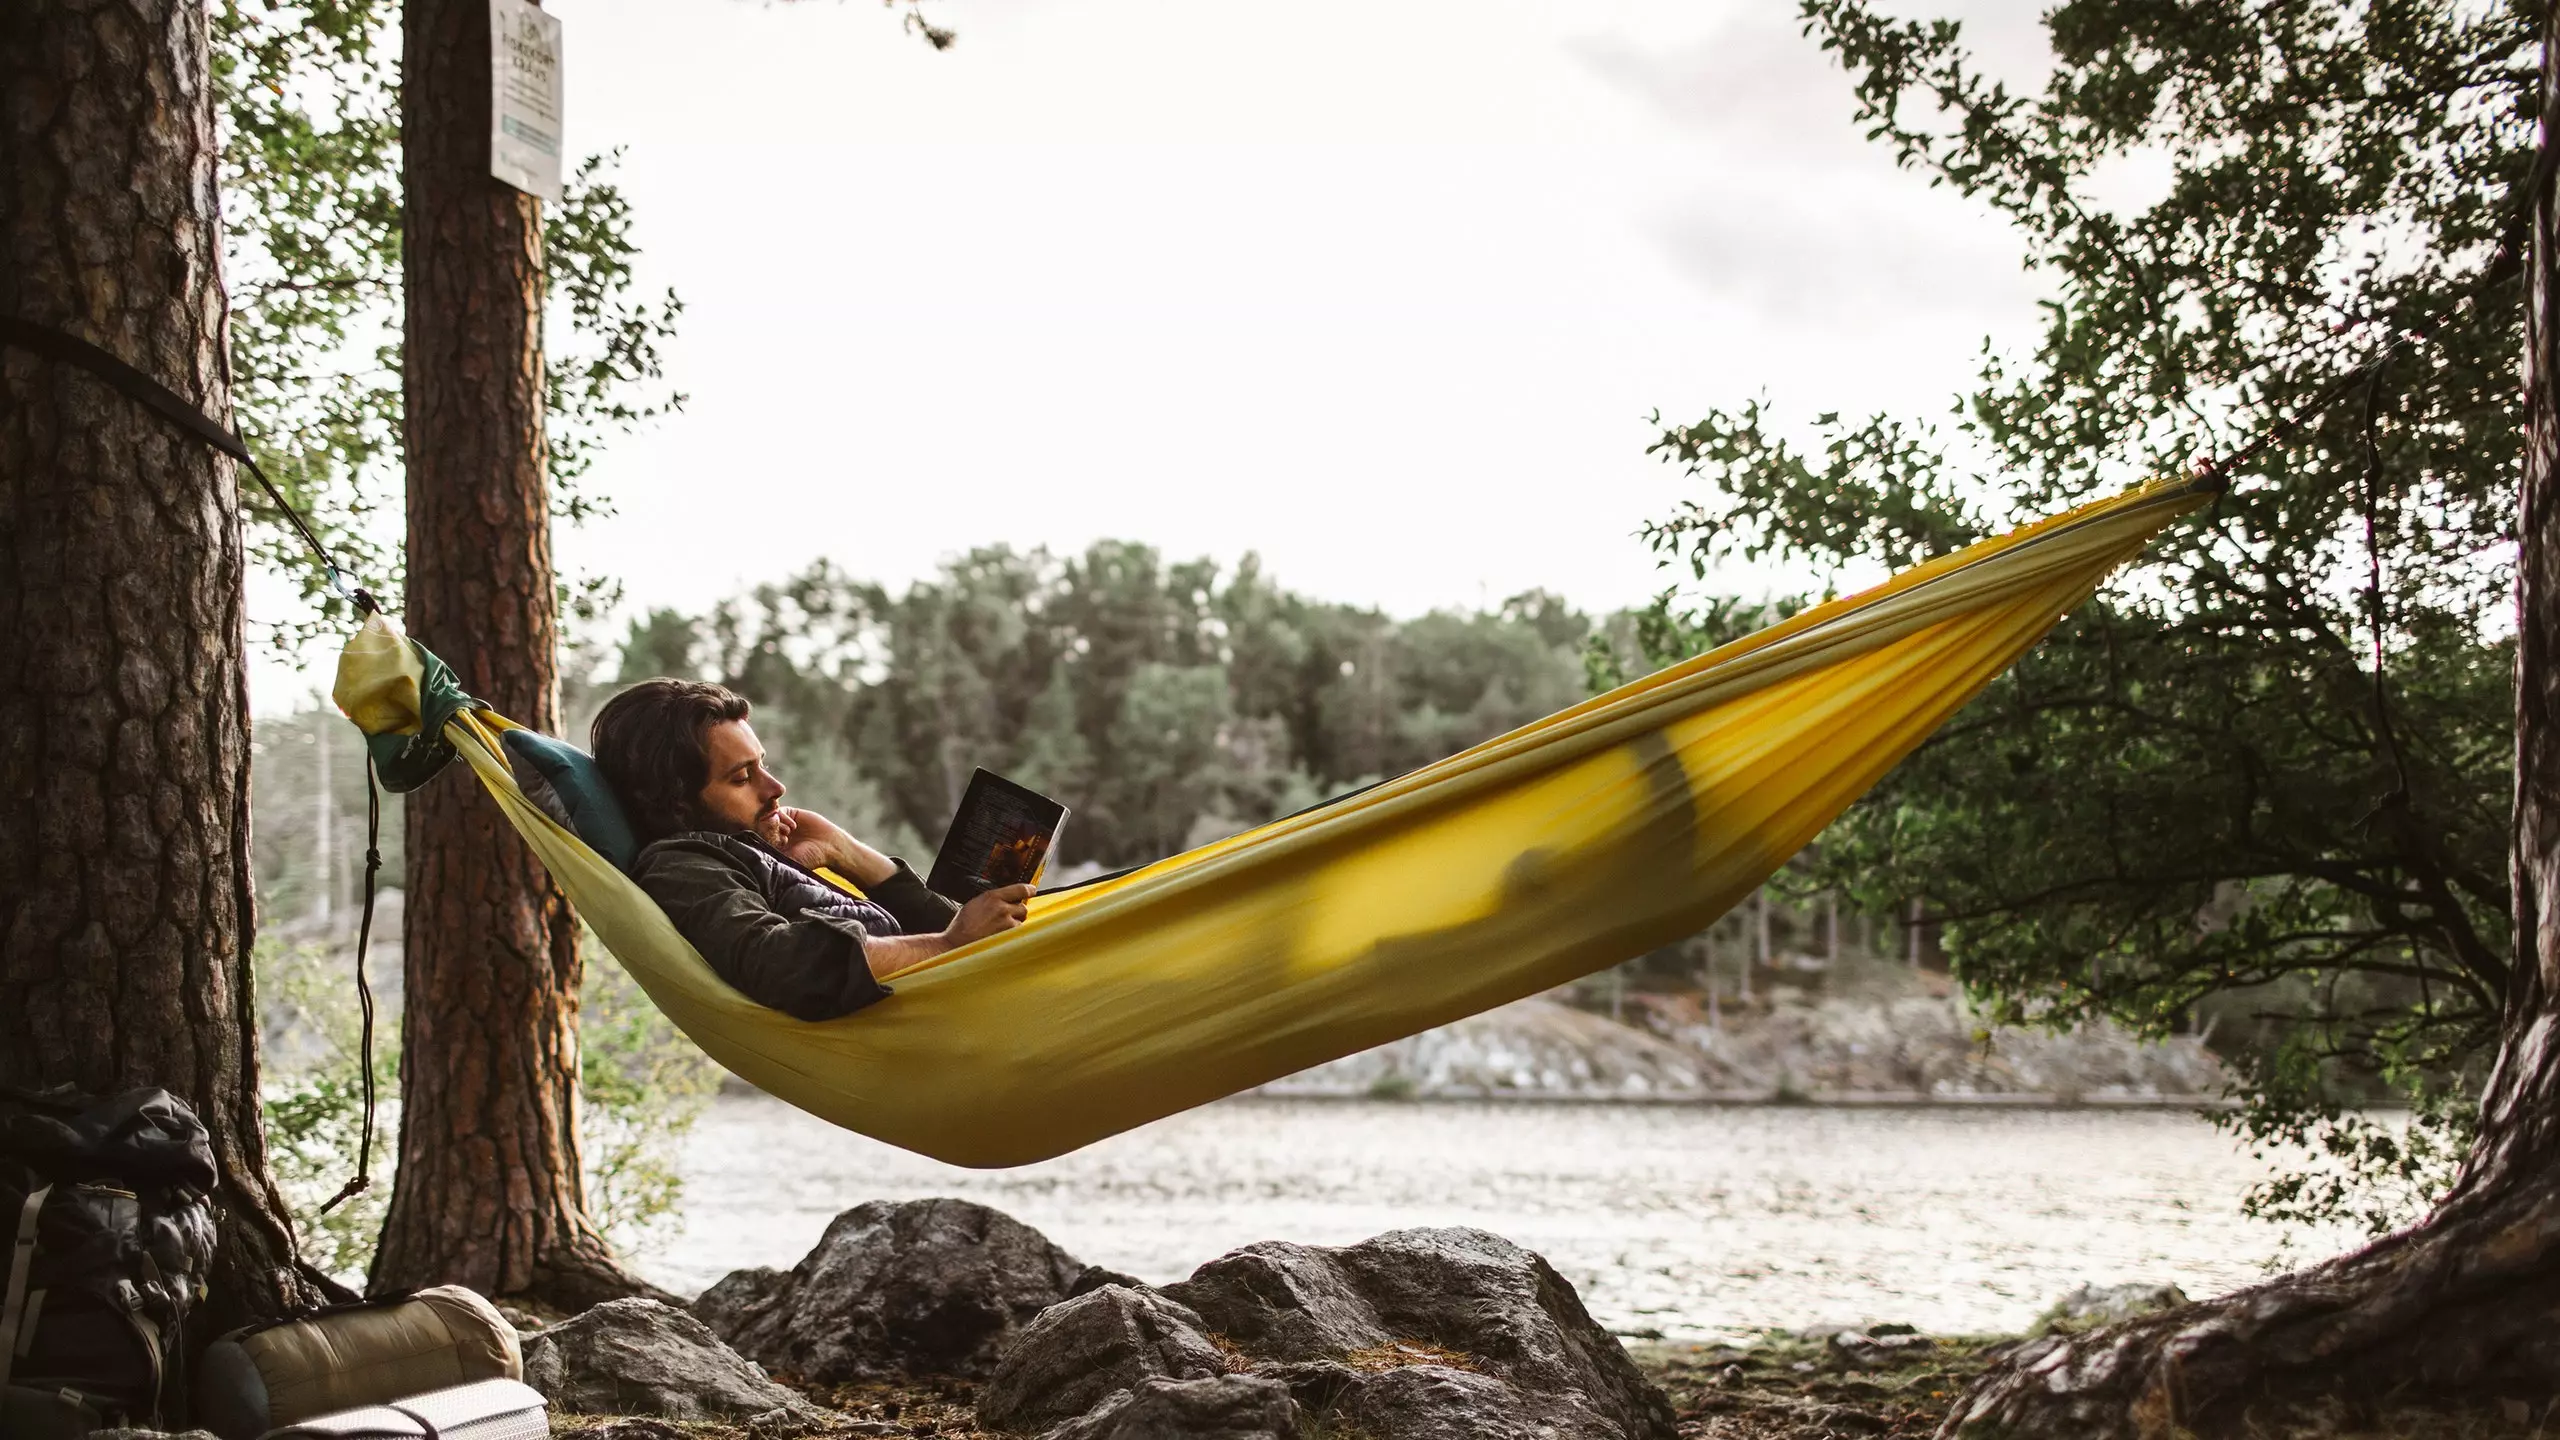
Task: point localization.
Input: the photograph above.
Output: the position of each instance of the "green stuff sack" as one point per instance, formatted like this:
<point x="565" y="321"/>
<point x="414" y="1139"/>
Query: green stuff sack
<point x="402" y="702"/>
<point x="268" y="1376"/>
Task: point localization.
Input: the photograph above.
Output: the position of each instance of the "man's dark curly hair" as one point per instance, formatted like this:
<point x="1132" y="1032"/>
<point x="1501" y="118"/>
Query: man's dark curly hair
<point x="648" y="741"/>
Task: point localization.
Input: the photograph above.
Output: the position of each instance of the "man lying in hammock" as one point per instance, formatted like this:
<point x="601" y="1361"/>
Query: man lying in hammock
<point x="731" y="865"/>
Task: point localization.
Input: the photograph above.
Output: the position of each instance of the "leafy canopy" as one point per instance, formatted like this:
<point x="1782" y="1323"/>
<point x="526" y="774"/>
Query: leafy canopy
<point x="311" y="202"/>
<point x="2195" y="801"/>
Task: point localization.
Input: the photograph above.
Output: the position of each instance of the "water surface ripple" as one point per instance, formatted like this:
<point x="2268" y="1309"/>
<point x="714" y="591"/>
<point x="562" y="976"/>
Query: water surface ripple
<point x="1690" y="1221"/>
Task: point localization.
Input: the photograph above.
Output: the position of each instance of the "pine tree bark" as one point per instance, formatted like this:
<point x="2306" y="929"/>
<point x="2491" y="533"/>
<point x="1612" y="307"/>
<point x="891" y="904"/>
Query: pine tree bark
<point x="489" y="1193"/>
<point x="125" y="907"/>
<point x="2467" y="1302"/>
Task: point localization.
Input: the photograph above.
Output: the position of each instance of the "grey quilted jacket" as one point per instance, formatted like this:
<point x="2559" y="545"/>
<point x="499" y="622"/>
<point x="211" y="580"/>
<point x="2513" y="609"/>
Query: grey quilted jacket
<point x="777" y="933"/>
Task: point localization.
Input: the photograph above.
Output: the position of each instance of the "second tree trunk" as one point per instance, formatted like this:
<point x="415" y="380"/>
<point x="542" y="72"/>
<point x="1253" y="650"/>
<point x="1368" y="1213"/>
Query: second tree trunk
<point x="489" y="1192"/>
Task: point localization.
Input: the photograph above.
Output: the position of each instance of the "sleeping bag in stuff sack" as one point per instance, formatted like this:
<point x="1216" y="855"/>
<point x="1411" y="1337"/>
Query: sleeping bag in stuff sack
<point x="109" y="1235"/>
<point x="343" y="1357"/>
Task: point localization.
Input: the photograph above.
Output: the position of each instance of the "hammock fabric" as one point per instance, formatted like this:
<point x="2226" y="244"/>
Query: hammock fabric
<point x="1587" y="838"/>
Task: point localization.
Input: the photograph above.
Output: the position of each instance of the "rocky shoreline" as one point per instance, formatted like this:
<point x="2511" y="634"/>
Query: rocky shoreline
<point x="1908" y="1049"/>
<point x="947" y="1319"/>
<point x="1427" y="1334"/>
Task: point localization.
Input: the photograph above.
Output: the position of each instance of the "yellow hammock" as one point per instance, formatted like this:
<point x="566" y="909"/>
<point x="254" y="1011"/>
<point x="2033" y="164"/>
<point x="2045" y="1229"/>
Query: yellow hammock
<point x="1564" y="847"/>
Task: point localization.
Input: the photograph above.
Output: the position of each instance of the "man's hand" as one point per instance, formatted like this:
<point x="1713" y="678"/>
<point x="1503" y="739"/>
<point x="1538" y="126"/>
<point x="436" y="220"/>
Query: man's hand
<point x="992" y="913"/>
<point x="808" y="837"/>
<point x="811" y="840"/>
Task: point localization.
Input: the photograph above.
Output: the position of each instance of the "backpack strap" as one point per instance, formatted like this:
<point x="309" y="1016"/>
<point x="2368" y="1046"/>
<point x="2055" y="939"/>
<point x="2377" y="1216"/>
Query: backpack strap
<point x="22" y="1260"/>
<point x="131" y="1297"/>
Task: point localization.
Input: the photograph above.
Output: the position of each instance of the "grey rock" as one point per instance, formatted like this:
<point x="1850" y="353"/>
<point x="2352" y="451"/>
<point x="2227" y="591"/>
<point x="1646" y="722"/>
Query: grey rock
<point x="1831" y="1334"/>
<point x="625" y="1427"/>
<point x="748" y="1303"/>
<point x="1094" y="1277"/>
<point x="638" y="1357"/>
<point x="895" y="1289"/>
<point x="1280" y="1301"/>
<point x="1427" y="1400"/>
<point x="791" y="1425"/>
<point x="1503" y="1316"/>
<point x="2091" y="1306"/>
<point x="1878" y="1347"/>
<point x="1223" y="1407"/>
<point x="1437" y="1402"/>
<point x="1078" y="1353"/>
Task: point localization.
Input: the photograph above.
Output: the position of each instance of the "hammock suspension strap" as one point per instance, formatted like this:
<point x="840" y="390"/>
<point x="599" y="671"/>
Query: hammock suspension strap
<point x="166" y="403"/>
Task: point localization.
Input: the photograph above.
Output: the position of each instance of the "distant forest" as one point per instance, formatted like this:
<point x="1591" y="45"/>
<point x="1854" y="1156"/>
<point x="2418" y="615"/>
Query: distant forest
<point x="1168" y="704"/>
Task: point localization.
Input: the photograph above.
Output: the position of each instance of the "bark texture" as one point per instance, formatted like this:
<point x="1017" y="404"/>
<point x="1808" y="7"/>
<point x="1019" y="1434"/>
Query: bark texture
<point x="489" y="1193"/>
<point x="2467" y="1302"/>
<point x="125" y="905"/>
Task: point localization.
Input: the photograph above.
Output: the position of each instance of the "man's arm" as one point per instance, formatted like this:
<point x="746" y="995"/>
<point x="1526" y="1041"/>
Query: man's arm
<point x="991" y="913"/>
<point x="919" y="911"/>
<point x="889" y="954"/>
<point x="812" y="966"/>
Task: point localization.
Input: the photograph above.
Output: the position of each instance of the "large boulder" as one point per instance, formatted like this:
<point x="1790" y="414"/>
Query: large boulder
<point x="1427" y="1401"/>
<point x="1496" y="1312"/>
<point x="895" y="1288"/>
<point x="638" y="1357"/>
<point x="1080" y="1353"/>
<point x="1223" y="1407"/>
<point x="1414" y="1335"/>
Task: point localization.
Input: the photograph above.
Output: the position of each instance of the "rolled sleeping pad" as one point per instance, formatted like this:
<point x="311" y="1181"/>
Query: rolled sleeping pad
<point x="345" y="1357"/>
<point x="481" y="1410"/>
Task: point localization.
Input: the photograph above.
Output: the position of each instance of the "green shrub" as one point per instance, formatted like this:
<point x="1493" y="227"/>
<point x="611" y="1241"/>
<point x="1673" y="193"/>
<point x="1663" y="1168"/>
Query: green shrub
<point x="314" y="1103"/>
<point x="642" y="1085"/>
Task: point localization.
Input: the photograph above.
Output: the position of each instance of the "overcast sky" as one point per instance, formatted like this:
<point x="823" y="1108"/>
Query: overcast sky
<point x="1381" y="290"/>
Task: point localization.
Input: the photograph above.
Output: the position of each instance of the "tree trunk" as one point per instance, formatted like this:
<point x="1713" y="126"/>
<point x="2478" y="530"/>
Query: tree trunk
<point x="488" y="1193"/>
<point x="2466" y="1302"/>
<point x="125" y="905"/>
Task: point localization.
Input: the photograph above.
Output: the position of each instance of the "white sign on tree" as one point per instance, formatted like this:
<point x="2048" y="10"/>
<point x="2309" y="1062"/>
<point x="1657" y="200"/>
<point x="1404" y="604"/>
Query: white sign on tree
<point x="524" y="97"/>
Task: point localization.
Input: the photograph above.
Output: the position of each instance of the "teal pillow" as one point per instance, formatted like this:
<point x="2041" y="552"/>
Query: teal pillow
<point x="563" y="781"/>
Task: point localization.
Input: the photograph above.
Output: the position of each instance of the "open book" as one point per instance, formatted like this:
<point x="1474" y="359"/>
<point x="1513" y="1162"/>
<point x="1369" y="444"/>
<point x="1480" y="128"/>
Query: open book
<point x="1002" y="834"/>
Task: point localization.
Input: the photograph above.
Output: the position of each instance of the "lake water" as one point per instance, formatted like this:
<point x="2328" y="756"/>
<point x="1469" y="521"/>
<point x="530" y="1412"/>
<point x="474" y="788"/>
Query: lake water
<point x="1690" y="1221"/>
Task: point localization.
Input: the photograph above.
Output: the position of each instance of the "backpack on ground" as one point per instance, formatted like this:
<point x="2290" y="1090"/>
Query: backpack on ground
<point x="104" y="1203"/>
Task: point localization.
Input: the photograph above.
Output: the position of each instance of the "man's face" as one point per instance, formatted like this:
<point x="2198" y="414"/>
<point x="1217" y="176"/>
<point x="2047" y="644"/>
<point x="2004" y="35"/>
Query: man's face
<point x="741" y="794"/>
